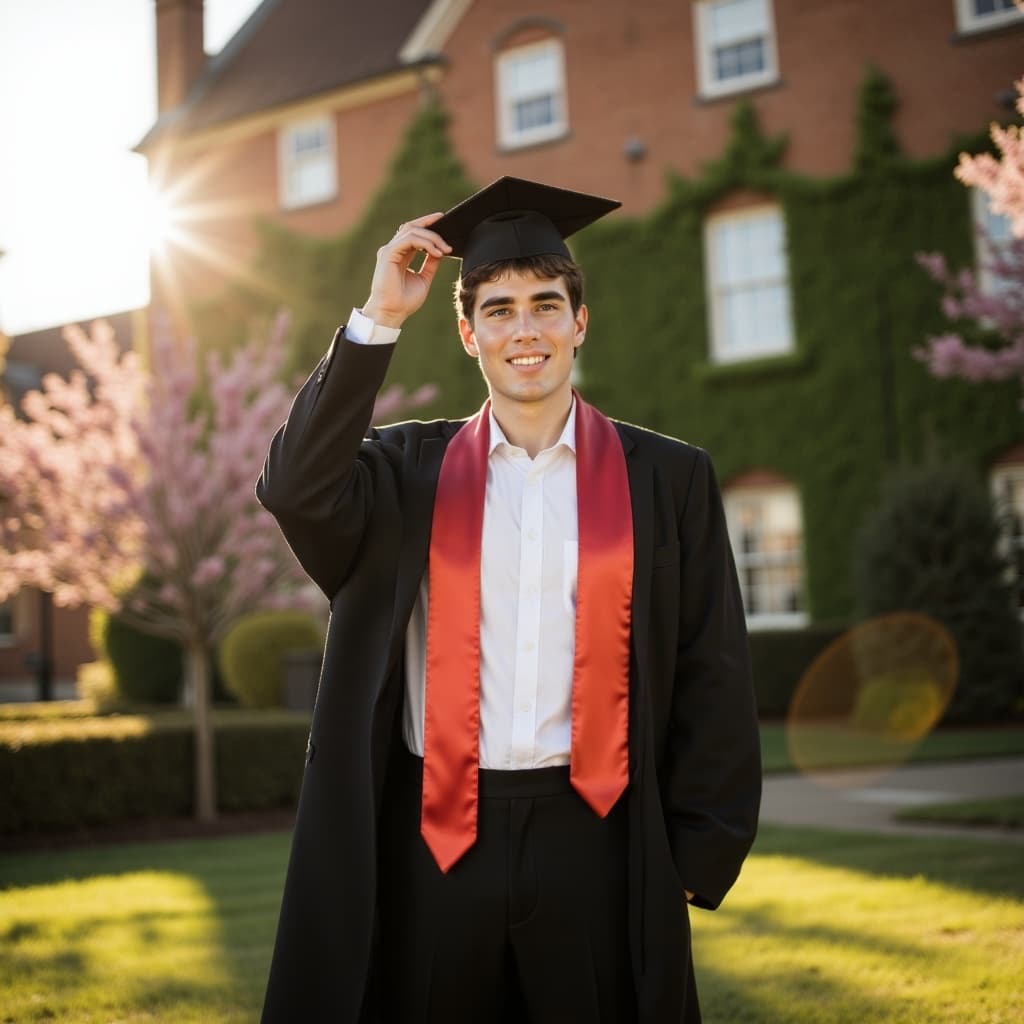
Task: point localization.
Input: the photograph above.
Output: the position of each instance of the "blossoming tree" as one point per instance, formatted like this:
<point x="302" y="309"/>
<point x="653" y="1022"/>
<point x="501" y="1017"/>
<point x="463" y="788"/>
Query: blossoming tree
<point x="1000" y="310"/>
<point x="130" y="487"/>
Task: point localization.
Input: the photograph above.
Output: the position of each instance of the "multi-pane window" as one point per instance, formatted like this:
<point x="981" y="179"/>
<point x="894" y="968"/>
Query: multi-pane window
<point x="735" y="45"/>
<point x="531" y="95"/>
<point x="307" y="163"/>
<point x="1008" y="495"/>
<point x="992" y="232"/>
<point x="766" y="532"/>
<point x="977" y="15"/>
<point x="747" y="280"/>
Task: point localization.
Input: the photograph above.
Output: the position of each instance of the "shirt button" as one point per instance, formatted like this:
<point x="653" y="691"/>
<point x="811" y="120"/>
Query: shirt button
<point x="525" y="707"/>
<point x="531" y="535"/>
<point x="529" y="645"/>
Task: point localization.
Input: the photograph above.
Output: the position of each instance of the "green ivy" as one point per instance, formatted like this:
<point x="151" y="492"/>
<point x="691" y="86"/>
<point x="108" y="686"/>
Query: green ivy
<point x="834" y="417"/>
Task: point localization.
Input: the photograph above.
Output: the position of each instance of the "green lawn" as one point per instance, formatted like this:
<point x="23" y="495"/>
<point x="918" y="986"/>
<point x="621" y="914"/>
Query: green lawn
<point x="1003" y="812"/>
<point x="822" y="928"/>
<point x="835" y="748"/>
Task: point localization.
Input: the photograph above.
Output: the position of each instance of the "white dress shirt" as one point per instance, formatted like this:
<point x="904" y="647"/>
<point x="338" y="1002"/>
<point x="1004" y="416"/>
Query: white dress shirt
<point x="527" y="600"/>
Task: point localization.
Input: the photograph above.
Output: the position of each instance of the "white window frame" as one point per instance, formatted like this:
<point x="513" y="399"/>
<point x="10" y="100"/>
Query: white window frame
<point x="508" y="136"/>
<point x="733" y="497"/>
<point x="991" y="230"/>
<point x="721" y="351"/>
<point x="968" y="20"/>
<point x="1011" y="544"/>
<point x="708" y="85"/>
<point x="291" y="196"/>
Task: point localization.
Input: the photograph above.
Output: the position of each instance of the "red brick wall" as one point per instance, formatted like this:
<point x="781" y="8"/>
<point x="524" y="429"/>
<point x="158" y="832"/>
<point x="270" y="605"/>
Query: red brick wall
<point x="631" y="73"/>
<point x="70" y="640"/>
<point x="228" y="186"/>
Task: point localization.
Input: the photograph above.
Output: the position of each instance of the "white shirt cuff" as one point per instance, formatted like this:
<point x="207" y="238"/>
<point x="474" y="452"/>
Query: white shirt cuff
<point x="363" y="331"/>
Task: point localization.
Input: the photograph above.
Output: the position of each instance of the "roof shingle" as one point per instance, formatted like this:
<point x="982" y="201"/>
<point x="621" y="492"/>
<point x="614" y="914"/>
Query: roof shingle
<point x="292" y="49"/>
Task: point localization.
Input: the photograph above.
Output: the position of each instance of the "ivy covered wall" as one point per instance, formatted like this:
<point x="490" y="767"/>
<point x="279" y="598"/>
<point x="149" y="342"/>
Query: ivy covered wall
<point x="848" y="406"/>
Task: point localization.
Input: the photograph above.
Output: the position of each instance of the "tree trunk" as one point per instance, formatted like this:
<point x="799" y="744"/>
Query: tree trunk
<point x="197" y="683"/>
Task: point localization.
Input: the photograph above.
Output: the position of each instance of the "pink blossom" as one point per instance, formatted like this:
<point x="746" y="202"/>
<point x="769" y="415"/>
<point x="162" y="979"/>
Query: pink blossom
<point x="128" y="479"/>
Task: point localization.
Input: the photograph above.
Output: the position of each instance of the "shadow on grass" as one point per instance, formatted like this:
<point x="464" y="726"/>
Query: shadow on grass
<point x="967" y="865"/>
<point x="184" y="928"/>
<point x="785" y="996"/>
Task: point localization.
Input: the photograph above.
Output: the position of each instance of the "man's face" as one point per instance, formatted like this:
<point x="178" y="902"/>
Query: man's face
<point x="524" y="332"/>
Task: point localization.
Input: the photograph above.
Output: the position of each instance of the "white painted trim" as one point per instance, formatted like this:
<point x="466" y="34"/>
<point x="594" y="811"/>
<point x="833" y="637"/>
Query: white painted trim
<point x="715" y="326"/>
<point x="1013" y="471"/>
<point x="710" y="87"/>
<point x="433" y="29"/>
<point x="967" y="20"/>
<point x="794" y="620"/>
<point x="985" y="246"/>
<point x="287" y="199"/>
<point x="508" y="138"/>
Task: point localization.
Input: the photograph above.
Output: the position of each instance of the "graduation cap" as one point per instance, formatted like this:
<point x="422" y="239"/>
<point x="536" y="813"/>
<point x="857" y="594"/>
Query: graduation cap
<point x="513" y="217"/>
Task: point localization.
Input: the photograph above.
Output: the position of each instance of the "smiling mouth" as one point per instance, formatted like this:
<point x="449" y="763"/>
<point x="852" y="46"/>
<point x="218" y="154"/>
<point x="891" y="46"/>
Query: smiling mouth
<point x="527" y="360"/>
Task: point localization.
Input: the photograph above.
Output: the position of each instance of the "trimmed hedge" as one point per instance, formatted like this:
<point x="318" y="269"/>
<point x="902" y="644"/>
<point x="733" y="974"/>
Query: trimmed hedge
<point x="780" y="658"/>
<point x="68" y="774"/>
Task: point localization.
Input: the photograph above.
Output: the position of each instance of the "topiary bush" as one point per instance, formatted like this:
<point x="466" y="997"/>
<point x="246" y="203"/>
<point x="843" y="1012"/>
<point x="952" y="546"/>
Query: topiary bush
<point x="251" y="654"/>
<point x="931" y="547"/>
<point x="147" y="669"/>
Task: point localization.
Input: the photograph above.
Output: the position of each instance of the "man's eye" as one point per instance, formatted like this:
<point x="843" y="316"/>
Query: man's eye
<point x="497" y="312"/>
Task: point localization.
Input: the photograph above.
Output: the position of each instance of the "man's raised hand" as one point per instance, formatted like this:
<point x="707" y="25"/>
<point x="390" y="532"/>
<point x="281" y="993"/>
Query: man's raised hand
<point x="397" y="290"/>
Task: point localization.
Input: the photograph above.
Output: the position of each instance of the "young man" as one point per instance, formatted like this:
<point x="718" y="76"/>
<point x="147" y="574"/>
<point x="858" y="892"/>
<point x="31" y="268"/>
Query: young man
<point x="535" y="737"/>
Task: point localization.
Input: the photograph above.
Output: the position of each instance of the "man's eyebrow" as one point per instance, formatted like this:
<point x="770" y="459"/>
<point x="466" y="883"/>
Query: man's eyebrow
<point x="507" y="300"/>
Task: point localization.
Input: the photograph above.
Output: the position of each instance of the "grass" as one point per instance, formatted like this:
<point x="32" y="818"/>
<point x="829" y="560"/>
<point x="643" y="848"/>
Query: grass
<point x="834" y="748"/>
<point x="839" y="928"/>
<point x="1004" y="812"/>
<point x="822" y="928"/>
<point x="178" y="931"/>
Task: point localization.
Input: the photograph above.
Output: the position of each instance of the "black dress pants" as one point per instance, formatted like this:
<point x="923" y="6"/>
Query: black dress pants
<point x="530" y="924"/>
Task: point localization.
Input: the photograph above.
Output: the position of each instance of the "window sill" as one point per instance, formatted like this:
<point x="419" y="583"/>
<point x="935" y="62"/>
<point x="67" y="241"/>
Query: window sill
<point x="756" y="366"/>
<point x="969" y="35"/>
<point x="704" y="99"/>
<point x="509" y="148"/>
<point x="298" y="207"/>
<point x="776" y="623"/>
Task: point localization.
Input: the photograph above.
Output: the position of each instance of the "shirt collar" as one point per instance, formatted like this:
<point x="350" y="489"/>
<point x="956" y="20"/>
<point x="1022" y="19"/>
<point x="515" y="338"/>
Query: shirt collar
<point x="568" y="435"/>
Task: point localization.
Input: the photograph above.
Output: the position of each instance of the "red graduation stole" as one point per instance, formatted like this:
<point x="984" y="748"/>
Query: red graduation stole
<point x="604" y="589"/>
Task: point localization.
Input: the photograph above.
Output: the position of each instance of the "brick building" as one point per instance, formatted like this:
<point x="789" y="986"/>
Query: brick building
<point x="298" y="119"/>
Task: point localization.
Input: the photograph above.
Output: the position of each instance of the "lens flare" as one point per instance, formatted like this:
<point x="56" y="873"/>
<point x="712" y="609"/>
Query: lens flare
<point x="873" y="694"/>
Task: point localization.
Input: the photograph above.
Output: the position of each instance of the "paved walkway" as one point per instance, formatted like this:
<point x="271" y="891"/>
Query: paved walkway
<point x="866" y="800"/>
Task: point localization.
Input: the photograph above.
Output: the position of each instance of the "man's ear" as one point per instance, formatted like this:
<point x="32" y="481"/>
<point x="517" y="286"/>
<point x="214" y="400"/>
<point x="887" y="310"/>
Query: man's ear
<point x="468" y="337"/>
<point x="580" y="319"/>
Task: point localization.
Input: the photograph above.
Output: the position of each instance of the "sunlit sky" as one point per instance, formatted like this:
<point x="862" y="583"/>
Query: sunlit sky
<point x="77" y="91"/>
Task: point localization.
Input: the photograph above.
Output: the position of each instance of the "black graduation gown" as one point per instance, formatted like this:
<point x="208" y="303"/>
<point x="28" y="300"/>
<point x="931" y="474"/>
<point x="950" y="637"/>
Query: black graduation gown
<point x="356" y="510"/>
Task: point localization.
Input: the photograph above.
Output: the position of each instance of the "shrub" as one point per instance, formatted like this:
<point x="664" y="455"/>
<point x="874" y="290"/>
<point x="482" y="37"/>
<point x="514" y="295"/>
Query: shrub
<point x="251" y="654"/>
<point x="95" y="683"/>
<point x="147" y="669"/>
<point x="931" y="547"/>
<point x="77" y="772"/>
<point x="779" y="659"/>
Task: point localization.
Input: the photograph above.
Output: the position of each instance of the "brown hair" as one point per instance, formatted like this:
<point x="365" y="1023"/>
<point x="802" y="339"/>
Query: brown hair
<point x="546" y="266"/>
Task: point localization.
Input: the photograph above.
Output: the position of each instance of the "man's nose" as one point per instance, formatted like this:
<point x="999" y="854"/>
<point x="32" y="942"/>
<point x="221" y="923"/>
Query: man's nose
<point x="525" y="326"/>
